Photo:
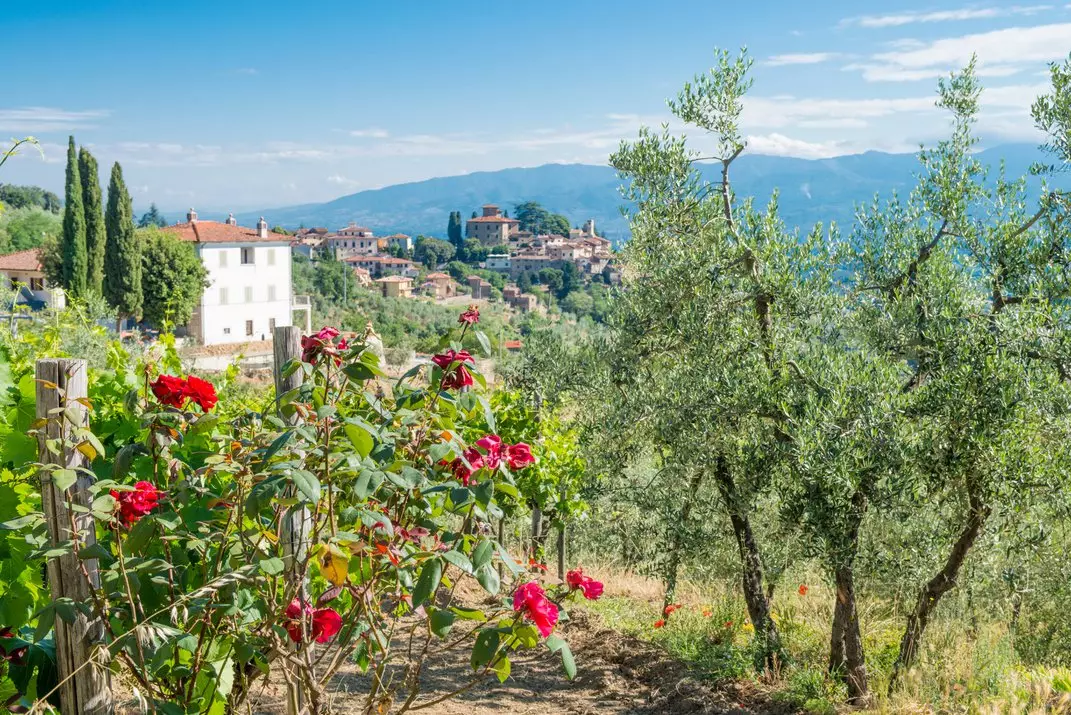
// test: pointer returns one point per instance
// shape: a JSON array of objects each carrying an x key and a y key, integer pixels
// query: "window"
[
  {"x": 247, "y": 256},
  {"x": 223, "y": 258},
  {"x": 249, "y": 327},
  {"x": 223, "y": 296},
  {"x": 37, "y": 284},
  {"x": 271, "y": 292},
  {"x": 271, "y": 256},
  {"x": 271, "y": 326},
  {"x": 226, "y": 331},
  {"x": 249, "y": 294}
]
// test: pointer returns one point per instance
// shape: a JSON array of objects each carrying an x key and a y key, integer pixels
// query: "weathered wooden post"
[
  {"x": 81, "y": 657},
  {"x": 296, "y": 523},
  {"x": 561, "y": 553}
]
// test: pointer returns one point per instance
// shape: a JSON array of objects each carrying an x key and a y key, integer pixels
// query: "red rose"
[
  {"x": 324, "y": 623},
  {"x": 326, "y": 335},
  {"x": 492, "y": 447},
  {"x": 532, "y": 602},
  {"x": 470, "y": 316},
  {"x": 579, "y": 581},
  {"x": 170, "y": 390},
  {"x": 136, "y": 504},
  {"x": 452, "y": 363},
  {"x": 519, "y": 456},
  {"x": 202, "y": 392},
  {"x": 311, "y": 348}
]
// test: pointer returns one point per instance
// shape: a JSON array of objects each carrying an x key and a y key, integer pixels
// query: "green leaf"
[
  {"x": 501, "y": 669},
  {"x": 307, "y": 484},
  {"x": 468, "y": 614},
  {"x": 358, "y": 371},
  {"x": 273, "y": 449},
  {"x": 482, "y": 554},
  {"x": 428, "y": 583},
  {"x": 460, "y": 495},
  {"x": 460, "y": 560},
  {"x": 485, "y": 648},
  {"x": 556, "y": 644},
  {"x": 272, "y": 566},
  {"x": 359, "y": 437},
  {"x": 484, "y": 491},
  {"x": 485, "y": 346},
  {"x": 488, "y": 578},
  {"x": 64, "y": 479},
  {"x": 441, "y": 622},
  {"x": 488, "y": 414}
]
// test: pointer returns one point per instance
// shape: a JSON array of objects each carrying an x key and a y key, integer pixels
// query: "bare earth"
[{"x": 616, "y": 675}]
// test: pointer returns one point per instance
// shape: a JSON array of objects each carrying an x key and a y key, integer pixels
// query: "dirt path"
[{"x": 615, "y": 675}]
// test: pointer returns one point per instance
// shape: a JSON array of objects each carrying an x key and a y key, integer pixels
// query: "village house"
[
  {"x": 24, "y": 273},
  {"x": 524, "y": 302},
  {"x": 249, "y": 284},
  {"x": 492, "y": 229},
  {"x": 440, "y": 285},
  {"x": 405, "y": 243},
  {"x": 378, "y": 266},
  {"x": 479, "y": 288},
  {"x": 528, "y": 262},
  {"x": 498, "y": 262},
  {"x": 396, "y": 286}
]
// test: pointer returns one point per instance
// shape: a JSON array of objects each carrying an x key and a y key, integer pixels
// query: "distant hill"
[{"x": 811, "y": 190}]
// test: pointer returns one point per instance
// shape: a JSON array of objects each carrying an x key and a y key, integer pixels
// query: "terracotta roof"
[
  {"x": 28, "y": 260},
  {"x": 216, "y": 232},
  {"x": 432, "y": 276},
  {"x": 492, "y": 219},
  {"x": 394, "y": 279},
  {"x": 398, "y": 235}
]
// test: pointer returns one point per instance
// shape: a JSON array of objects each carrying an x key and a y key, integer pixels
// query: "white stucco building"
[{"x": 249, "y": 292}]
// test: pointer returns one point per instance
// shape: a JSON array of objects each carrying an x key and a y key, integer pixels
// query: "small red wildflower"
[
  {"x": 803, "y": 589},
  {"x": 707, "y": 613},
  {"x": 659, "y": 623},
  {"x": 671, "y": 608},
  {"x": 536, "y": 566},
  {"x": 728, "y": 624},
  {"x": 470, "y": 316},
  {"x": 136, "y": 504}
]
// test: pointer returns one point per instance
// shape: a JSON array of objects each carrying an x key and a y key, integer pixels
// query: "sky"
[{"x": 245, "y": 105}]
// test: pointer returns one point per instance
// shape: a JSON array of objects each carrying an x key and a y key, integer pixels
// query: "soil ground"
[{"x": 616, "y": 675}]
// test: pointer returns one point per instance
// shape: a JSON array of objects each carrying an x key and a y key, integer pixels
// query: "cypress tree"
[
  {"x": 122, "y": 252},
  {"x": 94, "y": 213},
  {"x": 74, "y": 228}
]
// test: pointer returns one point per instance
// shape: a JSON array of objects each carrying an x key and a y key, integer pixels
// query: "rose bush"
[{"x": 336, "y": 524}]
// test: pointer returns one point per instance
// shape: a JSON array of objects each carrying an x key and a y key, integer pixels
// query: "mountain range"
[{"x": 811, "y": 190}]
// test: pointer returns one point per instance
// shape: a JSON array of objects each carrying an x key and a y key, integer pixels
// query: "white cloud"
[
  {"x": 48, "y": 119},
  {"x": 342, "y": 180},
  {"x": 780, "y": 145},
  {"x": 806, "y": 58},
  {"x": 1000, "y": 53},
  {"x": 910, "y": 18},
  {"x": 372, "y": 133}
]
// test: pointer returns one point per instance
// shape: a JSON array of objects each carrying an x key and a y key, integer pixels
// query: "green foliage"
[
  {"x": 432, "y": 251},
  {"x": 454, "y": 232},
  {"x": 29, "y": 197},
  {"x": 123, "y": 251},
  {"x": 172, "y": 278},
  {"x": 153, "y": 217},
  {"x": 538, "y": 220},
  {"x": 75, "y": 258},
  {"x": 93, "y": 209},
  {"x": 25, "y": 228}
]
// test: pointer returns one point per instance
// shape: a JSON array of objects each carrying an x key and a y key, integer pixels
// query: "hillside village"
[{"x": 249, "y": 282}]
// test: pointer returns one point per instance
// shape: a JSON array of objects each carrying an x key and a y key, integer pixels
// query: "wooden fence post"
[
  {"x": 296, "y": 523},
  {"x": 81, "y": 656},
  {"x": 561, "y": 553}
]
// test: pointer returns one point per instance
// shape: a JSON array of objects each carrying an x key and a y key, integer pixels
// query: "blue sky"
[{"x": 241, "y": 105}]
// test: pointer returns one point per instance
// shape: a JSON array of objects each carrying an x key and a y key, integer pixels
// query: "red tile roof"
[
  {"x": 433, "y": 276},
  {"x": 393, "y": 279},
  {"x": 389, "y": 260},
  {"x": 216, "y": 232},
  {"x": 28, "y": 260}
]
